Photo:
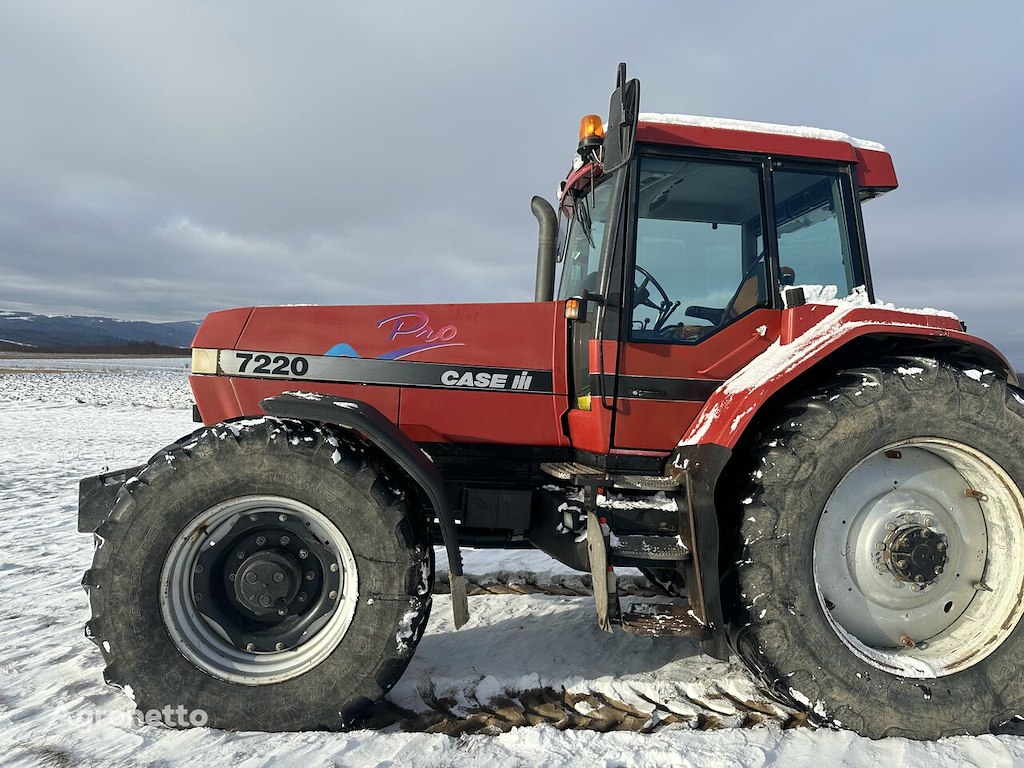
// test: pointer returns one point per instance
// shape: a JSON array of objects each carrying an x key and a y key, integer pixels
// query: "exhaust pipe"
[{"x": 546, "y": 245}]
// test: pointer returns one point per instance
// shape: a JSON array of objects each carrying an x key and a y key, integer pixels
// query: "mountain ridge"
[{"x": 26, "y": 331}]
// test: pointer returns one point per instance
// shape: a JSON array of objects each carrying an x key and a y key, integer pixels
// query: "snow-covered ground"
[{"x": 61, "y": 420}]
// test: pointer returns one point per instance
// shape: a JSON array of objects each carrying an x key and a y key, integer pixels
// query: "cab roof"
[{"x": 872, "y": 164}]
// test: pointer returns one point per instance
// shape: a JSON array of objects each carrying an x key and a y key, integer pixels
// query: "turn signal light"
[
  {"x": 576, "y": 309},
  {"x": 591, "y": 127}
]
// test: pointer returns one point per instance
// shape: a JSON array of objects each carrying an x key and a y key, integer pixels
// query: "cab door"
[
  {"x": 715, "y": 240},
  {"x": 704, "y": 296}
]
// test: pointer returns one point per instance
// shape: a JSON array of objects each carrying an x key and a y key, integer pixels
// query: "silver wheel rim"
[
  {"x": 204, "y": 644},
  {"x": 917, "y": 560}
]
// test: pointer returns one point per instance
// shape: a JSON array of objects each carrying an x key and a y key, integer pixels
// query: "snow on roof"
[{"x": 728, "y": 124}]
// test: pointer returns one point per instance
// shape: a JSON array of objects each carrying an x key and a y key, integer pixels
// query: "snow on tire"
[
  {"x": 879, "y": 578},
  {"x": 264, "y": 572}
]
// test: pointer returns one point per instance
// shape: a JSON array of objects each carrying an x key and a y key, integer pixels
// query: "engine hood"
[{"x": 469, "y": 337}]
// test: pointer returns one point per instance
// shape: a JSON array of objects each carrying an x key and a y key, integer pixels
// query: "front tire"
[
  {"x": 265, "y": 573},
  {"x": 879, "y": 583}
]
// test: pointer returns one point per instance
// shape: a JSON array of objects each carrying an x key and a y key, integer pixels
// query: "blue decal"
[{"x": 342, "y": 350}]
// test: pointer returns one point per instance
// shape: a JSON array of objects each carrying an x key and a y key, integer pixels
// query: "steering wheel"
[{"x": 642, "y": 297}]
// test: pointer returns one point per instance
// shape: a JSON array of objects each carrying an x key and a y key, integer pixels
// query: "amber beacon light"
[{"x": 591, "y": 131}]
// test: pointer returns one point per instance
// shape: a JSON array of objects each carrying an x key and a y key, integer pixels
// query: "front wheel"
[
  {"x": 262, "y": 575},
  {"x": 880, "y": 582}
]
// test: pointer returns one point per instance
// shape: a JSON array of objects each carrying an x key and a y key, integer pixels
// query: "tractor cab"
[{"x": 678, "y": 262}]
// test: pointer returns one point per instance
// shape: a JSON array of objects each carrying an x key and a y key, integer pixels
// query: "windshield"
[{"x": 582, "y": 249}]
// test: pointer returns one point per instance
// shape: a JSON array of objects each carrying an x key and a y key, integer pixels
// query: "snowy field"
[{"x": 63, "y": 419}]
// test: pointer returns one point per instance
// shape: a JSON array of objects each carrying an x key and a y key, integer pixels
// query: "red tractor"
[{"x": 827, "y": 486}]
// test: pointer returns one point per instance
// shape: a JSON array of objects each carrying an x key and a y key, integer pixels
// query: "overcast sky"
[{"x": 160, "y": 160}]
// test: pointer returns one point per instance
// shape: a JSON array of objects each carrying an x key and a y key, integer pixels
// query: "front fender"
[{"x": 371, "y": 426}]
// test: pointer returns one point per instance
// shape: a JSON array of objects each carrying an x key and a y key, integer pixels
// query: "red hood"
[{"x": 519, "y": 335}]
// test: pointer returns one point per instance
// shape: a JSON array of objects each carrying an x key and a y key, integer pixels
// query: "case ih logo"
[{"x": 475, "y": 379}]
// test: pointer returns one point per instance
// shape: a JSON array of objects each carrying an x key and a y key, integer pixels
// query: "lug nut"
[
  {"x": 265, "y": 601},
  {"x": 281, "y": 612},
  {"x": 302, "y": 597},
  {"x": 941, "y": 546},
  {"x": 310, "y": 576},
  {"x": 879, "y": 546},
  {"x": 231, "y": 577},
  {"x": 282, "y": 518},
  {"x": 285, "y": 540},
  {"x": 901, "y": 563},
  {"x": 278, "y": 577},
  {"x": 254, "y": 518},
  {"x": 890, "y": 527},
  {"x": 334, "y": 567},
  {"x": 896, "y": 584},
  {"x": 241, "y": 555},
  {"x": 250, "y": 646},
  {"x": 938, "y": 569},
  {"x": 261, "y": 540},
  {"x": 333, "y": 595},
  {"x": 199, "y": 597},
  {"x": 303, "y": 554},
  {"x": 279, "y": 647},
  {"x": 929, "y": 522},
  {"x": 199, "y": 568}
]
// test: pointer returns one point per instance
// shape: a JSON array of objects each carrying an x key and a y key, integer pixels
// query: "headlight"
[{"x": 204, "y": 360}]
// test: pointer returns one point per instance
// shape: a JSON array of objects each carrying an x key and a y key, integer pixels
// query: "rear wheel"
[
  {"x": 262, "y": 575},
  {"x": 880, "y": 583}
]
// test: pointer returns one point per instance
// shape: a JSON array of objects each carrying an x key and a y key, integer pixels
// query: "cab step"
[
  {"x": 584, "y": 474},
  {"x": 662, "y": 619},
  {"x": 649, "y": 547}
]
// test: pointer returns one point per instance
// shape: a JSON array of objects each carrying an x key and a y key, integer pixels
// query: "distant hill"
[{"x": 26, "y": 332}]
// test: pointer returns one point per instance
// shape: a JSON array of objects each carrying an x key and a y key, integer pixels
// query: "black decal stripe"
[
  {"x": 400, "y": 373},
  {"x": 658, "y": 387}
]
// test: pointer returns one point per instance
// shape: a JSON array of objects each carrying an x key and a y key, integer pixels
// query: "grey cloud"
[{"x": 159, "y": 160}]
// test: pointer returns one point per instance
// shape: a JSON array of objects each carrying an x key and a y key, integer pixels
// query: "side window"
[
  {"x": 699, "y": 259},
  {"x": 814, "y": 235}
]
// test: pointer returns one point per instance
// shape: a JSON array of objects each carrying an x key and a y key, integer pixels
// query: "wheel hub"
[
  {"x": 216, "y": 627},
  {"x": 267, "y": 581},
  {"x": 915, "y": 554},
  {"x": 919, "y": 544}
]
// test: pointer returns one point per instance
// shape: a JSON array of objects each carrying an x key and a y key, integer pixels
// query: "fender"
[
  {"x": 370, "y": 425},
  {"x": 809, "y": 334}
]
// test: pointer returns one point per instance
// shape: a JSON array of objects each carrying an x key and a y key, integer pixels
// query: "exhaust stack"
[{"x": 546, "y": 245}]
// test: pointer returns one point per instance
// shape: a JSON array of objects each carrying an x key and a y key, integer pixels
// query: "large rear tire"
[
  {"x": 260, "y": 575},
  {"x": 879, "y": 582}
]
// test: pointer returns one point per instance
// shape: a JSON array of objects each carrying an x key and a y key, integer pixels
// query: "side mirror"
[{"x": 623, "y": 114}]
